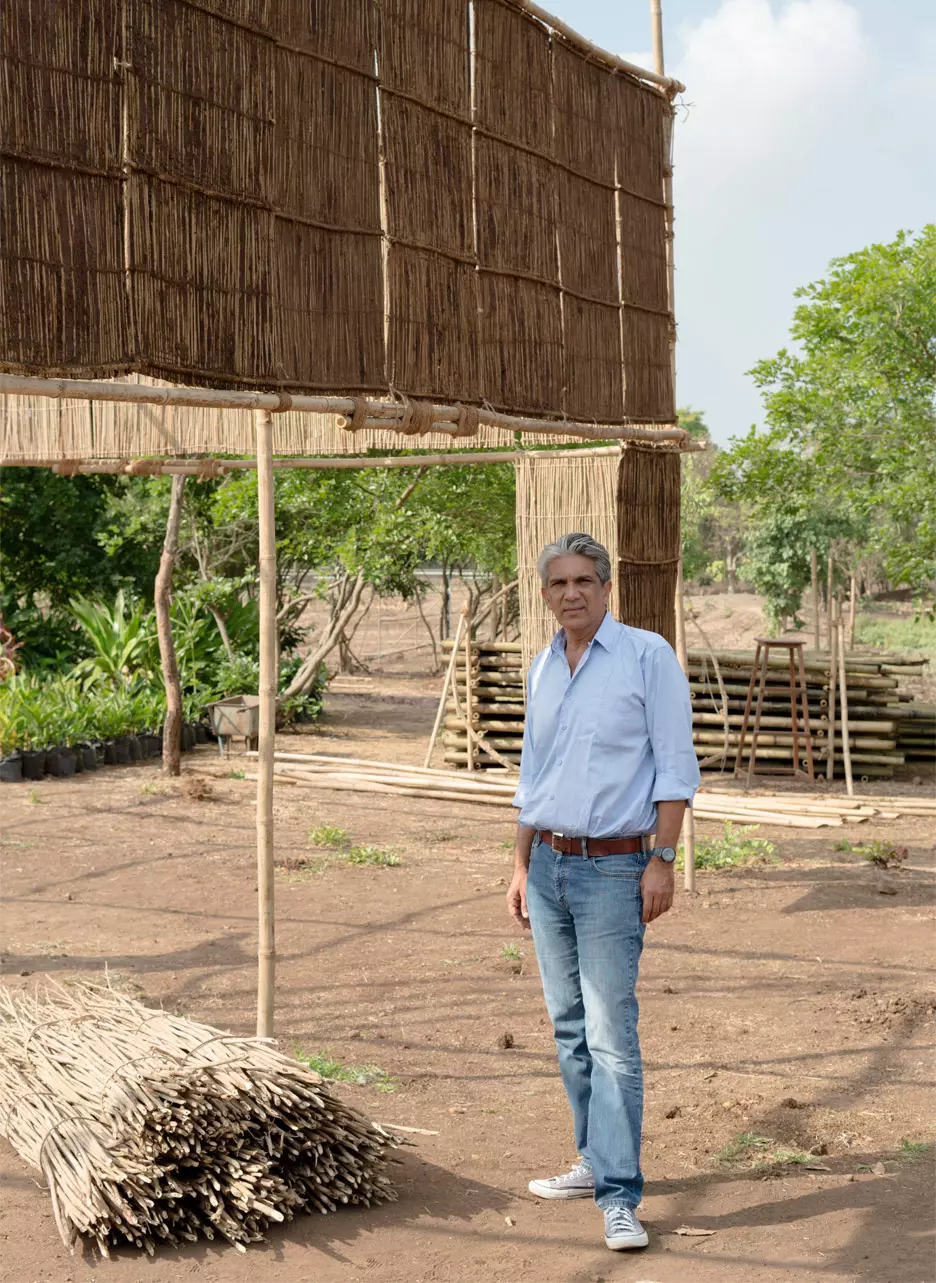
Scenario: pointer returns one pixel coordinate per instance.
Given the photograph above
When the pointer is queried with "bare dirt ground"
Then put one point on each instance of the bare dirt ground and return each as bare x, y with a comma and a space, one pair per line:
794, 1002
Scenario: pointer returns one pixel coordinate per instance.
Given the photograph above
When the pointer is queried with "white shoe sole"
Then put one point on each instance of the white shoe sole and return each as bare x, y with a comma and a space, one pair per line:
542, 1190
623, 1243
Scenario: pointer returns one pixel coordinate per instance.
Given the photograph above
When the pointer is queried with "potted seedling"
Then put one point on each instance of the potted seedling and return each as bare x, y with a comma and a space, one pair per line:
11, 738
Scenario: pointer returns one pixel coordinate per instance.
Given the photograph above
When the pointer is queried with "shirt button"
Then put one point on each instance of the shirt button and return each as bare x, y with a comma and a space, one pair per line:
558, 761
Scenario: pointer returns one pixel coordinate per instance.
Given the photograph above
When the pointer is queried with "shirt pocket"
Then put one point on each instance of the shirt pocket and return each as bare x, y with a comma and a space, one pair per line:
618, 719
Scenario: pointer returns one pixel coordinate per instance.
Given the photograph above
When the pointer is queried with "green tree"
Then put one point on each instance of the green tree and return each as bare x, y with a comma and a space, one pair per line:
851, 413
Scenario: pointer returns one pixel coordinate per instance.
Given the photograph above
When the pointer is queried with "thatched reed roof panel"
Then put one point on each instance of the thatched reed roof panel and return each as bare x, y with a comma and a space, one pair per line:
428, 169
521, 344
555, 497
345, 33
587, 238
583, 107
202, 96
643, 253
593, 382
58, 64
422, 50
515, 210
62, 305
648, 370
201, 284
637, 116
327, 308
433, 336
649, 549
325, 160
513, 76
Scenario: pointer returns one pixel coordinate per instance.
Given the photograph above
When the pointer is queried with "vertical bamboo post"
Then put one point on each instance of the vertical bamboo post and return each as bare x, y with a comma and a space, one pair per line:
469, 693
833, 677
682, 655
852, 607
449, 681
266, 943
656, 31
830, 603
843, 688
162, 600
814, 575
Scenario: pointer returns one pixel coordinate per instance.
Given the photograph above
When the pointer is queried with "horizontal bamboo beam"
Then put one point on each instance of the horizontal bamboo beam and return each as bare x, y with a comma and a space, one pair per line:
669, 84
446, 418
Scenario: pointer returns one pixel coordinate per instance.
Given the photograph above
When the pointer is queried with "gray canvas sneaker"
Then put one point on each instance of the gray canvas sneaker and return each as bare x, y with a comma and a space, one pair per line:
623, 1230
577, 1183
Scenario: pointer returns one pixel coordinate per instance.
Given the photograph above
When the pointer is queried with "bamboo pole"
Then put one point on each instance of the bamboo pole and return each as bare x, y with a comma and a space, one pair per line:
162, 598
445, 417
814, 588
266, 943
469, 693
596, 53
449, 678
830, 762
656, 24
830, 604
852, 605
846, 746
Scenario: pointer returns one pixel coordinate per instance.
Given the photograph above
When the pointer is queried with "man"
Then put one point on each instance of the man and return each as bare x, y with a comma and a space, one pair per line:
607, 761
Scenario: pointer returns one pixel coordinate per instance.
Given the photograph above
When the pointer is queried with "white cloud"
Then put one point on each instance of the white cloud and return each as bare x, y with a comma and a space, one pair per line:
767, 86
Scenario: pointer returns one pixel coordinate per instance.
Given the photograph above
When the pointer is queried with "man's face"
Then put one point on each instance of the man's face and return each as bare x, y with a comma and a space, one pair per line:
574, 593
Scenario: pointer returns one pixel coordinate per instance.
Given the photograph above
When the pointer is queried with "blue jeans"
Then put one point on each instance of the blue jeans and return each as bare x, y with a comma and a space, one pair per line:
585, 915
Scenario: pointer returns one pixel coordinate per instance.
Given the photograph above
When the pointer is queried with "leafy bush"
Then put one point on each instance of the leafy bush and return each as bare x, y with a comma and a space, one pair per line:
733, 848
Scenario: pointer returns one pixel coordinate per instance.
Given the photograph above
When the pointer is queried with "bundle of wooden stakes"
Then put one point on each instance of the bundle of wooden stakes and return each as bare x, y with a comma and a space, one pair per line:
877, 710
150, 1128
487, 694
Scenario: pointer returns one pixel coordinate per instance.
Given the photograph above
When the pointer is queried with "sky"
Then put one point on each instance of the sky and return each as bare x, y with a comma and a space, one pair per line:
805, 133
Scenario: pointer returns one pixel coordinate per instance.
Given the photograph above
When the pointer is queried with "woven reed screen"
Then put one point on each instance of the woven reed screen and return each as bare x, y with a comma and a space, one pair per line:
649, 538
439, 198
556, 497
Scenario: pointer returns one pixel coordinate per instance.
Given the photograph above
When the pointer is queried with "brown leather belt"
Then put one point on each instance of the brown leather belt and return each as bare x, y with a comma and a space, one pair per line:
593, 846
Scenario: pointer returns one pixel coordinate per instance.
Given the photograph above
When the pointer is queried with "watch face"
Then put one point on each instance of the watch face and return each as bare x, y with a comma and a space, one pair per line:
667, 854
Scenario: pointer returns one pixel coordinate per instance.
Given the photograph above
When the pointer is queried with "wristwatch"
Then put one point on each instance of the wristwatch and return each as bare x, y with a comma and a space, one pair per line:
666, 853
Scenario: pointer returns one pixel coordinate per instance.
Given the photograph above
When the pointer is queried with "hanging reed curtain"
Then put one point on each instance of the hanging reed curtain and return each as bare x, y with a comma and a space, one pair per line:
648, 538
556, 497
319, 196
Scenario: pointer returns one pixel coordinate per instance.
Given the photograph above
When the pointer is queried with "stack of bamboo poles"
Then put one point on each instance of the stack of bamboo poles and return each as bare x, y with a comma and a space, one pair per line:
497, 788
487, 694
916, 731
149, 1128
718, 683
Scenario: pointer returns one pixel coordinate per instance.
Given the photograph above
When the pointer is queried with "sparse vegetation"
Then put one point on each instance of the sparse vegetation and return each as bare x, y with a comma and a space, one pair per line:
511, 952
372, 855
236, 775
735, 847
910, 1150
886, 855
748, 1149
362, 1075
328, 835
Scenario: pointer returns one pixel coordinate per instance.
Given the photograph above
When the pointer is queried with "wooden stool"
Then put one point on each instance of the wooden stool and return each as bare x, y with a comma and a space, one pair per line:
759, 675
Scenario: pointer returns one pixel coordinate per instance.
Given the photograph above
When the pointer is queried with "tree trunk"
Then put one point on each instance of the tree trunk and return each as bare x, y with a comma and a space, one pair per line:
222, 630
305, 676
445, 625
172, 727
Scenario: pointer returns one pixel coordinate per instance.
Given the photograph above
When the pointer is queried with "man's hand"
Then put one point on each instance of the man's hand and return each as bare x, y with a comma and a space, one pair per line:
656, 887
516, 898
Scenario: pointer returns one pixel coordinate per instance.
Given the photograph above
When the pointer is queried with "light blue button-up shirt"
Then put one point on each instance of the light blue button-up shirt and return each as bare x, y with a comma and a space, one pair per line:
603, 746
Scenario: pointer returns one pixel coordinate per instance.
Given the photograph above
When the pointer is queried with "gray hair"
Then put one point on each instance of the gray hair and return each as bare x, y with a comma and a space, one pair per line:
580, 545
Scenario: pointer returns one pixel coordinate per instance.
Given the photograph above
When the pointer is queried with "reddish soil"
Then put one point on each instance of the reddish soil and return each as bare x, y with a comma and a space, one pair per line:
793, 1001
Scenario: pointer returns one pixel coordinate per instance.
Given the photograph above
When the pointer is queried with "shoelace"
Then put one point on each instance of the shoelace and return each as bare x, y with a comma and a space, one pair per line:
620, 1220
580, 1169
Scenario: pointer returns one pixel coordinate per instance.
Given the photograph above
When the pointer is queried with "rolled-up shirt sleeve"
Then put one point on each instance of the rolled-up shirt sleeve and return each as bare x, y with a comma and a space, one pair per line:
526, 758
669, 725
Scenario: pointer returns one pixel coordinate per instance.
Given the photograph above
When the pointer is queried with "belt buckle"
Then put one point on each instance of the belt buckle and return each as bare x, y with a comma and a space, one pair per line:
560, 836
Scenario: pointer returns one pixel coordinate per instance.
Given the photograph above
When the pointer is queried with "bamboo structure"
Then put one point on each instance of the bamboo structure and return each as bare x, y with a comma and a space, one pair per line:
843, 691
484, 705
266, 936
172, 727
148, 1128
814, 594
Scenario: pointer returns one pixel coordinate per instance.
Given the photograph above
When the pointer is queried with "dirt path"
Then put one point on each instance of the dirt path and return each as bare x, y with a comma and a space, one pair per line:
793, 1002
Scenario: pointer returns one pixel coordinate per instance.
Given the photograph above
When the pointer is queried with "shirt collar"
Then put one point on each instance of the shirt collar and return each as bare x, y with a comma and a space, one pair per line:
605, 636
